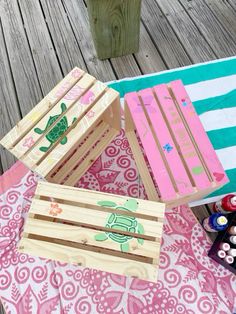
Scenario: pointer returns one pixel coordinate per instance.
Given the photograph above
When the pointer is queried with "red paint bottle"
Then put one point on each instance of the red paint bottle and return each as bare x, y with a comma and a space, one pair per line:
227, 204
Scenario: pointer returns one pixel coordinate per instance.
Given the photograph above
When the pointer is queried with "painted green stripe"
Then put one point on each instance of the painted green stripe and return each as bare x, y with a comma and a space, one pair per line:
189, 75
229, 187
224, 101
223, 138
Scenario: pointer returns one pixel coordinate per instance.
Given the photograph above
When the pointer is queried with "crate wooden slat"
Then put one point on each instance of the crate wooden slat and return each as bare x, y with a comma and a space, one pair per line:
180, 164
74, 225
73, 123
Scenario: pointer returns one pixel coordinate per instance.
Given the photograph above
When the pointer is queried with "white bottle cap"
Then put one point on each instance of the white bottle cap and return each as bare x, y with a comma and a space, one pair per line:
232, 252
222, 220
233, 200
229, 259
232, 239
224, 246
221, 254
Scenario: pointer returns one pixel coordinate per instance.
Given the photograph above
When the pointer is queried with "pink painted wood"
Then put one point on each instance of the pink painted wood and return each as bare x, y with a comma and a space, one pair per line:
186, 147
167, 145
154, 157
198, 132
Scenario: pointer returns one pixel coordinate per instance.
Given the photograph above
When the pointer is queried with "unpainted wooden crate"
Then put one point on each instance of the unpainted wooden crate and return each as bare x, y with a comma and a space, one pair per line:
173, 153
92, 229
63, 135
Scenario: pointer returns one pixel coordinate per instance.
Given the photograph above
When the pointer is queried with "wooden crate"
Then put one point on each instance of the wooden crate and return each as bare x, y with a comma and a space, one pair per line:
71, 126
74, 225
180, 164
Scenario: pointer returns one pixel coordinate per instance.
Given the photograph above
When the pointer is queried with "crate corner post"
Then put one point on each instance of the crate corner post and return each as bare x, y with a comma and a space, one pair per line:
115, 26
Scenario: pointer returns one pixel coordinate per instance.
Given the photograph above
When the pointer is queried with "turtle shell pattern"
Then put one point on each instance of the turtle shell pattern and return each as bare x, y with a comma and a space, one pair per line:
122, 223
58, 130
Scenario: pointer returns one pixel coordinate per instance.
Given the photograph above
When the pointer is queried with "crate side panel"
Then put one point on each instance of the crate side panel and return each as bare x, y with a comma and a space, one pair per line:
94, 260
159, 170
84, 215
38, 111
155, 210
192, 162
170, 152
76, 133
196, 128
55, 119
58, 133
96, 238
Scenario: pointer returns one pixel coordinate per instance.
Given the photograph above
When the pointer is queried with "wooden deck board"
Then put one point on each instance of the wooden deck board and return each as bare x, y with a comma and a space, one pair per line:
163, 35
211, 28
194, 43
44, 39
44, 55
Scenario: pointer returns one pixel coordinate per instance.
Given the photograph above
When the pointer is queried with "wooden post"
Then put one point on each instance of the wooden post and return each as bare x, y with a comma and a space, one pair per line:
115, 26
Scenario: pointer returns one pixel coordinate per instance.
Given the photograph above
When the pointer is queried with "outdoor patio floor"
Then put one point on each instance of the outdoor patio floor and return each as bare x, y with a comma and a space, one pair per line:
42, 40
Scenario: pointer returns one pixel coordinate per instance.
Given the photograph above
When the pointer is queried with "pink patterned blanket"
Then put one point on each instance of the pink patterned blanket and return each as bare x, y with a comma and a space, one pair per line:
189, 282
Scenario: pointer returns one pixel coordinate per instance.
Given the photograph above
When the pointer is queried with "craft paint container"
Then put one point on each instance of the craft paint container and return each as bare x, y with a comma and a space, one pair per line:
232, 239
224, 246
214, 223
232, 252
221, 254
229, 259
226, 204
232, 230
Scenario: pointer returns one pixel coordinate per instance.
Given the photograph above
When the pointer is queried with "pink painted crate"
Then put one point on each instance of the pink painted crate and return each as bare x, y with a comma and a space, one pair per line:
179, 164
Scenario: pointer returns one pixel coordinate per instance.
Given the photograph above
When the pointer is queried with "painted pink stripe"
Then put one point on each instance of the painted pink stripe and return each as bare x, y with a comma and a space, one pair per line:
173, 159
159, 170
185, 144
198, 132
12, 176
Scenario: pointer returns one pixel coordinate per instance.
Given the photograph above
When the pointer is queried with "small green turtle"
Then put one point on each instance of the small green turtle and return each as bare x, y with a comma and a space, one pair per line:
57, 131
122, 223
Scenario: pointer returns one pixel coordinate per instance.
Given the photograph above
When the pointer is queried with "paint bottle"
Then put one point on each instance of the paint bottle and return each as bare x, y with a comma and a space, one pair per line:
229, 259
232, 252
232, 239
214, 223
232, 230
224, 246
221, 254
226, 204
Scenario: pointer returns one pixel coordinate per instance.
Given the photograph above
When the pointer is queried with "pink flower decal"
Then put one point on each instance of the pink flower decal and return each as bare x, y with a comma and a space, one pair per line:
90, 114
55, 209
76, 73
28, 142
87, 98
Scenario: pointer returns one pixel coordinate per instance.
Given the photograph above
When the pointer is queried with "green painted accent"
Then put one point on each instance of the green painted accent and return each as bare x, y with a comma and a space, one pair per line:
57, 131
115, 26
140, 241
125, 247
107, 203
101, 237
131, 204
197, 170
189, 75
122, 223
140, 231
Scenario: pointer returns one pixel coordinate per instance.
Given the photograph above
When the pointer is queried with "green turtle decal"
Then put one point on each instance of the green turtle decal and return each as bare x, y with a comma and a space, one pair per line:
57, 131
122, 223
